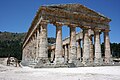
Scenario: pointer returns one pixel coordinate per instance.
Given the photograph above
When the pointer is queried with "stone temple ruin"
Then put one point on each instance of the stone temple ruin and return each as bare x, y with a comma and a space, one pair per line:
67, 52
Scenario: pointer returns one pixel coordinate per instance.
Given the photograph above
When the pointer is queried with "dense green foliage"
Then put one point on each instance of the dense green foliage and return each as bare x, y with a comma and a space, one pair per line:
11, 44
11, 48
4, 36
115, 49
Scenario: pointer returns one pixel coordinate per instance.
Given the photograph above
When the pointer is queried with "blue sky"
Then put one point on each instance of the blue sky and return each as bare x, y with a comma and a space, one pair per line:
17, 15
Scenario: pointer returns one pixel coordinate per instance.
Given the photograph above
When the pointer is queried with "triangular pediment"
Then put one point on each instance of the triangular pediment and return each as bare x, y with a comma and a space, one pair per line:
77, 8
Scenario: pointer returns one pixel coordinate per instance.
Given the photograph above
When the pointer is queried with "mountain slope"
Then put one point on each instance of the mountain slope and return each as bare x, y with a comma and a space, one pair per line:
11, 44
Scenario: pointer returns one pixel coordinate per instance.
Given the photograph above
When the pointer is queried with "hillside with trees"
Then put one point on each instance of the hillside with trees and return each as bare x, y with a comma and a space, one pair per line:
115, 49
11, 44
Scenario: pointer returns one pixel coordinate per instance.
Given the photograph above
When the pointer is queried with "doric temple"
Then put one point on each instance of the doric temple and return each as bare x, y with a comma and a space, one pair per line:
81, 49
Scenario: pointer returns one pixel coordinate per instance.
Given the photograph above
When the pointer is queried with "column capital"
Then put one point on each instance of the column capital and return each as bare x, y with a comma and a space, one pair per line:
72, 25
85, 31
106, 30
44, 23
86, 27
58, 24
90, 32
97, 30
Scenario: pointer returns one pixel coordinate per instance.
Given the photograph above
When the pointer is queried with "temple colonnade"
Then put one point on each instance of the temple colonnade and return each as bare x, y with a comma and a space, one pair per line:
82, 49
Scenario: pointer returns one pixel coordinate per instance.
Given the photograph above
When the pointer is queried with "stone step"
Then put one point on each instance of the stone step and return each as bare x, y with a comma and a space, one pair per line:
51, 65
32, 64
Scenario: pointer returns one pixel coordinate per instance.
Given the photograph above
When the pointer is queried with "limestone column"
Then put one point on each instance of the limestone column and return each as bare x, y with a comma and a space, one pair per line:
98, 55
107, 47
35, 47
23, 54
31, 49
86, 47
58, 48
79, 50
91, 49
68, 50
63, 55
37, 43
43, 52
27, 52
72, 54
82, 48
52, 55
66, 54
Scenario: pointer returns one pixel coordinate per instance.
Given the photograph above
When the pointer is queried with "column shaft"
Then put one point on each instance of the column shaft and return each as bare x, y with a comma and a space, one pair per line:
79, 50
37, 43
63, 55
33, 51
58, 48
35, 47
91, 49
86, 47
23, 54
107, 47
72, 55
98, 55
30, 56
66, 53
43, 52
52, 55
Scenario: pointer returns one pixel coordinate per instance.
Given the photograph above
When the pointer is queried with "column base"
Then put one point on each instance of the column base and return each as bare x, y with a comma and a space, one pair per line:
42, 61
65, 61
91, 61
87, 62
51, 65
75, 63
98, 62
72, 60
28, 62
24, 63
108, 61
78, 63
59, 60
79, 59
